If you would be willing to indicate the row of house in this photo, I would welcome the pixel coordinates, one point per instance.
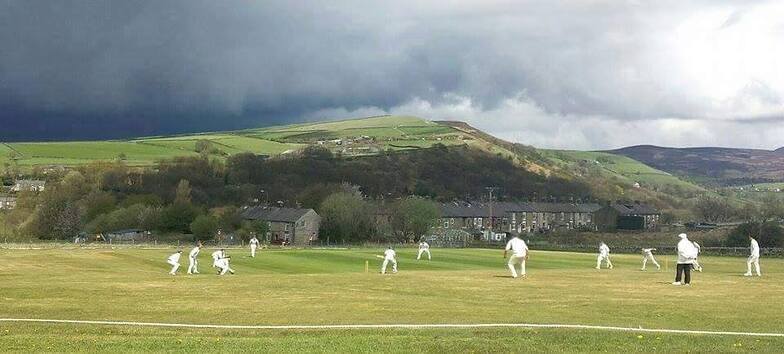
(8, 201)
(28, 185)
(542, 216)
(301, 226)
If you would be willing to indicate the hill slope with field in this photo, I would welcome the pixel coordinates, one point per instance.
(620, 176)
(610, 176)
(712, 166)
(347, 137)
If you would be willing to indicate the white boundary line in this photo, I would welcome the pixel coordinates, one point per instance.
(396, 326)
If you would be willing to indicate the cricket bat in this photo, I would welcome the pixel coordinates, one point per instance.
(379, 256)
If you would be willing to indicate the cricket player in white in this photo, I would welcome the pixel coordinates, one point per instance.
(174, 260)
(221, 261)
(389, 256)
(753, 258)
(254, 244)
(519, 255)
(604, 255)
(193, 262)
(216, 257)
(697, 265)
(423, 248)
(647, 254)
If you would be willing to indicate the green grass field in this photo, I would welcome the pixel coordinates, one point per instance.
(266, 141)
(460, 286)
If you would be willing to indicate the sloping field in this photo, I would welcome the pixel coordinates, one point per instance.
(4, 154)
(619, 166)
(376, 133)
(68, 153)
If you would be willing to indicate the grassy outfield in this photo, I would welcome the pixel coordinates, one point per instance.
(282, 287)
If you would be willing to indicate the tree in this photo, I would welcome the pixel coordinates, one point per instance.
(68, 223)
(772, 207)
(346, 217)
(97, 202)
(771, 235)
(183, 193)
(229, 219)
(667, 218)
(56, 216)
(768, 234)
(714, 209)
(204, 227)
(413, 217)
(313, 195)
(178, 217)
(259, 228)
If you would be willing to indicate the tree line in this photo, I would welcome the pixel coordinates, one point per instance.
(391, 195)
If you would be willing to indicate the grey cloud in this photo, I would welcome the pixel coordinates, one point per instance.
(191, 65)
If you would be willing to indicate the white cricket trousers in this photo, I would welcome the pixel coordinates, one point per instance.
(514, 260)
(603, 257)
(645, 261)
(224, 267)
(384, 265)
(174, 265)
(423, 250)
(253, 251)
(753, 260)
(193, 265)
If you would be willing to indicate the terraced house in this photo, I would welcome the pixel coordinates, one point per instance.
(518, 217)
(7, 202)
(29, 185)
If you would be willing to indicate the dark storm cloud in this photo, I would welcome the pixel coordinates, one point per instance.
(86, 69)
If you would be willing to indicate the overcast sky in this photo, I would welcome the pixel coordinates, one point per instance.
(565, 74)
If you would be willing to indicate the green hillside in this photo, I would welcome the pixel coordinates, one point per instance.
(346, 137)
(621, 167)
(610, 176)
(619, 177)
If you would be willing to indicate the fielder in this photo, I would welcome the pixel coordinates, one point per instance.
(423, 248)
(389, 256)
(254, 244)
(753, 258)
(193, 262)
(174, 260)
(697, 265)
(217, 256)
(221, 261)
(604, 255)
(647, 254)
(519, 255)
